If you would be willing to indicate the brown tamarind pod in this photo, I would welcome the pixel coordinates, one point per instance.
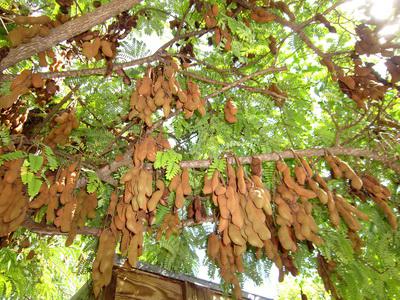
(215, 180)
(213, 246)
(306, 167)
(223, 224)
(222, 204)
(235, 236)
(388, 213)
(337, 173)
(300, 174)
(179, 197)
(174, 183)
(187, 190)
(207, 188)
(240, 180)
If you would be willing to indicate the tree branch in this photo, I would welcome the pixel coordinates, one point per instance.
(66, 31)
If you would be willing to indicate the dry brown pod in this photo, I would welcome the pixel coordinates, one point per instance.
(230, 111)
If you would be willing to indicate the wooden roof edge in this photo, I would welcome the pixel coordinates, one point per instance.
(182, 277)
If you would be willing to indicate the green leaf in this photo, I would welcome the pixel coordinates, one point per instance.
(11, 156)
(52, 162)
(35, 162)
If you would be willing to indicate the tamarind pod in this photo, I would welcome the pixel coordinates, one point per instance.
(252, 237)
(306, 166)
(239, 267)
(388, 212)
(31, 20)
(352, 209)
(321, 182)
(287, 178)
(304, 193)
(223, 224)
(318, 241)
(285, 212)
(300, 174)
(215, 180)
(6, 193)
(322, 196)
(262, 230)
(207, 188)
(267, 208)
(286, 193)
(220, 190)
(148, 187)
(257, 196)
(133, 251)
(356, 183)
(281, 166)
(113, 203)
(232, 201)
(269, 249)
(257, 181)
(155, 198)
(213, 246)
(222, 204)
(333, 213)
(230, 171)
(298, 231)
(237, 218)
(179, 196)
(226, 240)
(240, 180)
(41, 199)
(141, 200)
(187, 190)
(285, 238)
(239, 250)
(214, 199)
(174, 183)
(337, 173)
(234, 235)
(13, 173)
(350, 221)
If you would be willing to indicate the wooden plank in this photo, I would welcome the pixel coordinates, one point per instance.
(139, 285)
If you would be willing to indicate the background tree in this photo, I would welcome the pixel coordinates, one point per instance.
(101, 98)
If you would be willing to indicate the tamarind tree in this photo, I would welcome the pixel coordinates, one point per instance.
(266, 132)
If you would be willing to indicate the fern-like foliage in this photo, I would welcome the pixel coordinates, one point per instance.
(168, 160)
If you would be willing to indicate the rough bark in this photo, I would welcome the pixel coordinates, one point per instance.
(66, 31)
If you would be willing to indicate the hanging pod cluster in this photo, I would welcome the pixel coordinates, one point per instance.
(230, 111)
(148, 147)
(13, 201)
(247, 218)
(228, 261)
(244, 206)
(14, 117)
(27, 81)
(104, 261)
(76, 209)
(30, 26)
(159, 88)
(169, 226)
(98, 48)
(19, 86)
(62, 128)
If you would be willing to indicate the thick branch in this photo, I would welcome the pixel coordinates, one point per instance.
(66, 31)
(392, 163)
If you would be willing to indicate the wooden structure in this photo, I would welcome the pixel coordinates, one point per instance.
(152, 283)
